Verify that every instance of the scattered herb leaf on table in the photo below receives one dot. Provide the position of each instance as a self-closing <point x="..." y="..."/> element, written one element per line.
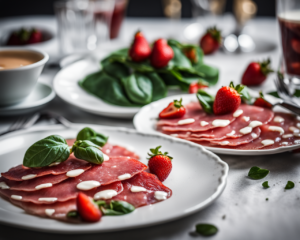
<point x="257" y="173"/>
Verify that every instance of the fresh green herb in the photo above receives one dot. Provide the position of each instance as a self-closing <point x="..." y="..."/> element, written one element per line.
<point x="73" y="214"/>
<point x="178" y="104"/>
<point x="156" y="151"/>
<point x="91" y="135"/>
<point x="267" y="199"/>
<point x="206" y="229"/>
<point x="289" y="185"/>
<point x="206" y="101"/>
<point x="115" y="208"/>
<point x="88" y="151"/>
<point x="257" y="173"/>
<point x="242" y="90"/>
<point x="46" y="151"/>
<point x="265" y="184"/>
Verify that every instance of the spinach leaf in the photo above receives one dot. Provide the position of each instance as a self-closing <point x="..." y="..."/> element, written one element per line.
<point x="73" y="214"/>
<point x="90" y="134"/>
<point x="88" y="151"/>
<point x="46" y="151"/>
<point x="209" y="73"/>
<point x="116" y="69"/>
<point x="257" y="173"/>
<point x="138" y="88"/>
<point x="115" y="208"/>
<point x="179" y="61"/>
<point x="206" y="229"/>
<point x="159" y="88"/>
<point x="206" y="101"/>
<point x="289" y="185"/>
<point x="265" y="184"/>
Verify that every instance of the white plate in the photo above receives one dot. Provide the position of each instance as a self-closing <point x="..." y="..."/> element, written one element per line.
<point x="38" y="98"/>
<point x="146" y="119"/>
<point x="198" y="177"/>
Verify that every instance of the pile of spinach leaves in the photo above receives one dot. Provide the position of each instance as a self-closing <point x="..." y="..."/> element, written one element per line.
<point x="126" y="83"/>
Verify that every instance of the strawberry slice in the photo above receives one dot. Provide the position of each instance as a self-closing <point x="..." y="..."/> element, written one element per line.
<point x="194" y="87"/>
<point x="87" y="209"/>
<point x="261" y="102"/>
<point x="173" y="110"/>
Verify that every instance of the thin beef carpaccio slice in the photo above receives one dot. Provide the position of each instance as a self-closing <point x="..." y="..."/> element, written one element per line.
<point x="16" y="173"/>
<point x="193" y="111"/>
<point x="105" y="173"/>
<point x="138" y="199"/>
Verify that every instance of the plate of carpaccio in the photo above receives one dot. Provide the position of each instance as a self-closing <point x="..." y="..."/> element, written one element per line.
<point x="91" y="178"/>
<point x="225" y="124"/>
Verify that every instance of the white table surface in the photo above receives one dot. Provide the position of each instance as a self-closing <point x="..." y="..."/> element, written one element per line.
<point x="247" y="213"/>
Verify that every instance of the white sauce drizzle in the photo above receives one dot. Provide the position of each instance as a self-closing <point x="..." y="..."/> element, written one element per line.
<point x="298" y="125"/>
<point x="3" y="185"/>
<point x="287" y="135"/>
<point x="224" y="143"/>
<point x="220" y="123"/>
<point x="237" y="113"/>
<point x="30" y="176"/>
<point x="54" y="164"/>
<point x="105" y="194"/>
<point x="49" y="199"/>
<point x="88" y="185"/>
<point x="278" y="119"/>
<point x="254" y="135"/>
<point x="246" y="118"/>
<point x="231" y="133"/>
<point x="44" y="185"/>
<point x="74" y="173"/>
<point x="49" y="212"/>
<point x="160" y="195"/>
<point x="106" y="158"/>
<point x="267" y="142"/>
<point x="186" y="121"/>
<point x="203" y="123"/>
<point x="124" y="176"/>
<point x="246" y="130"/>
<point x="296" y="134"/>
<point x="138" y="189"/>
<point x="276" y="129"/>
<point x="298" y="118"/>
<point x="294" y="129"/>
<point x="297" y="141"/>
<point x="16" y="197"/>
<point x="278" y="139"/>
<point x="254" y="124"/>
<point x="284" y="143"/>
<point x="174" y="135"/>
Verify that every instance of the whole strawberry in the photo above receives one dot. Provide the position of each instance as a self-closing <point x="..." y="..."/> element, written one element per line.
<point x="140" y="49"/>
<point x="210" y="42"/>
<point x="35" y="37"/>
<point x="256" y="73"/>
<point x="161" y="54"/>
<point x="160" y="163"/>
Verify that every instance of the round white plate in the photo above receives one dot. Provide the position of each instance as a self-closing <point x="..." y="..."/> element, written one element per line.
<point x="38" y="98"/>
<point x="197" y="179"/>
<point x="145" y="121"/>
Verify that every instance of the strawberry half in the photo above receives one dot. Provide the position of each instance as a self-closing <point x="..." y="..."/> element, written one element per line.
<point x="160" y="163"/>
<point x="161" y="54"/>
<point x="194" y="87"/>
<point x="87" y="209"/>
<point x="261" y="102"/>
<point x="210" y="42"/>
<point x="256" y="73"/>
<point x="140" y="49"/>
<point x="175" y="109"/>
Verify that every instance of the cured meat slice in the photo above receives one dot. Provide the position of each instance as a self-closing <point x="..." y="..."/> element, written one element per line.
<point x="151" y="184"/>
<point x="21" y="173"/>
<point x="113" y="170"/>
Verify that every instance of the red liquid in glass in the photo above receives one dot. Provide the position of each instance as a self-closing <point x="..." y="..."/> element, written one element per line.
<point x="117" y="18"/>
<point x="290" y="39"/>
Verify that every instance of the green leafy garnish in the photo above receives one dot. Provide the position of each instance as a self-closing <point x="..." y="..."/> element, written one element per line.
<point x="206" y="229"/>
<point x="206" y="101"/>
<point x="257" y="173"/>
<point x="46" y="151"/>
<point x="155" y="152"/>
<point x="265" y="184"/>
<point x="242" y="90"/>
<point x="91" y="135"/>
<point x="289" y="185"/>
<point x="88" y="151"/>
<point x="178" y="104"/>
<point x="115" y="208"/>
<point x="73" y="214"/>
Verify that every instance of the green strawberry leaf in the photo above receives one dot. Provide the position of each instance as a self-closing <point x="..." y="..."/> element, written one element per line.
<point x="206" y="101"/>
<point x="156" y="152"/>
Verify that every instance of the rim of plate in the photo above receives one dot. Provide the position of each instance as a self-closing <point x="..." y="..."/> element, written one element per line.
<point x="220" y="188"/>
<point x="140" y="117"/>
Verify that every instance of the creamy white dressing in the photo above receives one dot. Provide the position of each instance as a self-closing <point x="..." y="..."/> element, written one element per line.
<point x="220" y="123"/>
<point x="284" y="143"/>
<point x="203" y="123"/>
<point x="3" y="185"/>
<point x="246" y="130"/>
<point x="278" y="119"/>
<point x="74" y="173"/>
<point x="297" y="141"/>
<point x="298" y="125"/>
<point x="267" y="142"/>
<point x="30" y="176"/>
<point x="54" y="164"/>
<point x="44" y="185"/>
<point x="49" y="212"/>
<point x="254" y="124"/>
<point x="186" y="121"/>
<point x="246" y="118"/>
<point x="105" y="194"/>
<point x="287" y="135"/>
<point x="16" y="197"/>
<point x="224" y="143"/>
<point x="296" y="134"/>
<point x="49" y="199"/>
<point x="138" y="189"/>
<point x="276" y="129"/>
<point x="278" y="139"/>
<point x="174" y="135"/>
<point x="88" y="185"/>
<point x="254" y="135"/>
<point x="231" y="133"/>
<point x="294" y="129"/>
<point x="160" y="195"/>
<point x="106" y="158"/>
<point x="238" y="113"/>
<point x="124" y="176"/>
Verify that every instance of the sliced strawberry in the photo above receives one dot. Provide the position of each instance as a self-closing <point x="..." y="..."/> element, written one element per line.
<point x="211" y="41"/>
<point x="87" y="209"/>
<point x="261" y="102"/>
<point x="140" y="49"/>
<point x="194" y="87"/>
<point x="174" y="110"/>
<point x="161" y="54"/>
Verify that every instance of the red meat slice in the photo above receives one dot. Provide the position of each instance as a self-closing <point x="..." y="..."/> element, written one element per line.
<point x="16" y="173"/>
<point x="106" y="173"/>
<point x="138" y="199"/>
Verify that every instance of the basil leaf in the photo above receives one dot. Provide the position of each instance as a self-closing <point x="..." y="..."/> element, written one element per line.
<point x="265" y="184"/>
<point x="257" y="173"/>
<point x="209" y="73"/>
<point x="159" y="88"/>
<point x="88" y="151"/>
<point x="115" y="208"/>
<point x="46" y="151"/>
<point x="206" y="229"/>
<point x="289" y="185"/>
<point x="206" y="101"/>
<point x="91" y="135"/>
<point x="73" y="214"/>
